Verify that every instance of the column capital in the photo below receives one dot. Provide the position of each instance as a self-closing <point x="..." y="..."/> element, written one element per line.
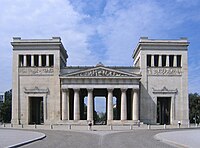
<point x="135" y="89"/>
<point x="64" y="90"/>
<point x="89" y="89"/>
<point x="123" y="89"/>
<point x="76" y="89"/>
<point x="110" y="89"/>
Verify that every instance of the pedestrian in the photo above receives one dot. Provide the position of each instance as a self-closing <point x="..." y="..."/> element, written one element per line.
<point x="179" y="124"/>
<point x="90" y="125"/>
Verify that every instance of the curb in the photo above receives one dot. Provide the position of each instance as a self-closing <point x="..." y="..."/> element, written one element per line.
<point x="170" y="142"/>
<point x="27" y="142"/>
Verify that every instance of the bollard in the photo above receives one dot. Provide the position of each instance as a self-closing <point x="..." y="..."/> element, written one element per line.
<point x="35" y="126"/>
<point x="131" y="127"/>
<point x="51" y="126"/>
<point x="111" y="127"/>
<point x="22" y="126"/>
<point x="11" y="125"/>
<point x="4" y="125"/>
<point x="138" y="123"/>
<point x="149" y="126"/>
<point x="164" y="126"/>
<point x="69" y="126"/>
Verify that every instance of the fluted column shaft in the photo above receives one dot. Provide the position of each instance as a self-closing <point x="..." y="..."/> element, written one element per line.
<point x="65" y="104"/>
<point x="160" y="61"/>
<point x="123" y="104"/>
<point x="47" y="60"/>
<point x="90" y="105"/>
<point x="110" y="104"/>
<point x="135" y="105"/>
<point x="32" y="60"/>
<point x="40" y="60"/>
<point x="152" y="60"/>
<point x="167" y="60"/>
<point x="25" y="61"/>
<point x="76" y="105"/>
<point x="175" y="61"/>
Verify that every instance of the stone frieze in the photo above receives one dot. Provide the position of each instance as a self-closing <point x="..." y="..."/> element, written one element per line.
<point x="36" y="71"/>
<point x="164" y="71"/>
<point x="100" y="73"/>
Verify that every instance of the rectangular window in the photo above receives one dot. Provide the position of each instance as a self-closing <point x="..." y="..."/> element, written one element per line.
<point x="21" y="60"/>
<point x="156" y="57"/>
<point x="43" y="60"/>
<point x="171" y="59"/>
<point x="51" y="60"/>
<point x="28" y="59"/>
<point x="148" y="60"/>
<point x="178" y="60"/>
<point x="163" y="60"/>
<point x="36" y="60"/>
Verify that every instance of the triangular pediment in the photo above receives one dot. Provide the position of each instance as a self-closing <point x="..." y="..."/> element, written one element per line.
<point x="101" y="71"/>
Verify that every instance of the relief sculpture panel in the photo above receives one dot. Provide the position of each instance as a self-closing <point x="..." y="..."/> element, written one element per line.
<point x="164" y="71"/>
<point x="36" y="71"/>
<point x="101" y="73"/>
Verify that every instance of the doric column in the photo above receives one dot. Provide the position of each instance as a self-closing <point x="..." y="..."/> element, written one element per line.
<point x="135" y="105"/>
<point x="90" y="105"/>
<point x="160" y="61"/>
<point x="167" y="60"/>
<point x="65" y="103"/>
<point x="76" y="105"/>
<point x="25" y="61"/>
<point x="152" y="60"/>
<point x="40" y="60"/>
<point x="32" y="60"/>
<point x="47" y="60"/>
<point x="175" y="61"/>
<point x="123" y="105"/>
<point x="110" y="105"/>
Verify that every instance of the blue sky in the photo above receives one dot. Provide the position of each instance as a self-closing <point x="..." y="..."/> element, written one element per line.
<point x="100" y="30"/>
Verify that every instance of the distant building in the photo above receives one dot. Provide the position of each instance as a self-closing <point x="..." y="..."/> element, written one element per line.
<point x="47" y="91"/>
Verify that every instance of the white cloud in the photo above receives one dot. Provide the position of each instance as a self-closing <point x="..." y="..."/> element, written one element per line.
<point x="42" y="19"/>
<point x="117" y="23"/>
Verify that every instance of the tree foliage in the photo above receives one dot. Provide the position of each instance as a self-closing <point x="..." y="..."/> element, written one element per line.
<point x="194" y="106"/>
<point x="5" y="108"/>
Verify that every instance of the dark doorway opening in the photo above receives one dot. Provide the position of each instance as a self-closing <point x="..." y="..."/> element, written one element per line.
<point x="36" y="115"/>
<point x="163" y="110"/>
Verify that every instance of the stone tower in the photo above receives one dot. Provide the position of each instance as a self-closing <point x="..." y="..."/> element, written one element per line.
<point x="164" y="82"/>
<point x="36" y="70"/>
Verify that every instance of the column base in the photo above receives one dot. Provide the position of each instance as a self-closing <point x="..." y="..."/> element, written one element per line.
<point x="15" y="121"/>
<point x="122" y="122"/>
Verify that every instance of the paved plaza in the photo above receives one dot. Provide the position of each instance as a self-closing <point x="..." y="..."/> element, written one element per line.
<point x="14" y="138"/>
<point x="100" y="137"/>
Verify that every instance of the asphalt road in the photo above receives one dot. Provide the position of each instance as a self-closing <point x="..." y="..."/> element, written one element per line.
<point x="99" y="139"/>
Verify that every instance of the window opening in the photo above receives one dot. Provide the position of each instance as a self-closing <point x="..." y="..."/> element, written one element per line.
<point x="43" y="60"/>
<point x="163" y="60"/>
<point x="28" y="58"/>
<point x="149" y="60"/>
<point x="171" y="59"/>
<point x="156" y="60"/>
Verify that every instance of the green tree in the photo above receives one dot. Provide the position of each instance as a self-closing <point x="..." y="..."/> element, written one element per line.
<point x="5" y="108"/>
<point x="194" y="106"/>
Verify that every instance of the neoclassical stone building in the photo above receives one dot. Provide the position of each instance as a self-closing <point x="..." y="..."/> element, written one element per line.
<point x="48" y="91"/>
